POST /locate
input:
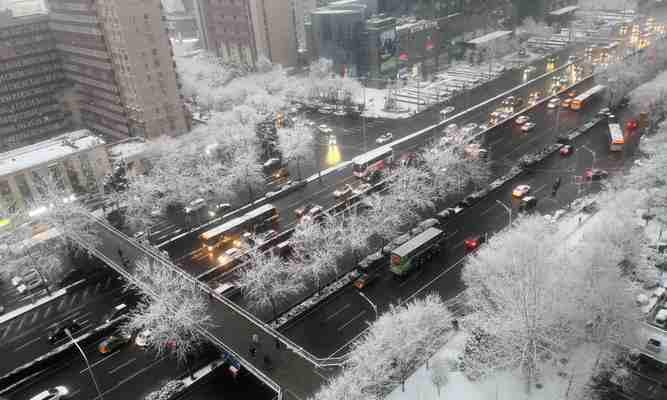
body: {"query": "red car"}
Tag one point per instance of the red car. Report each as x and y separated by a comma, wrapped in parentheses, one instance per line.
(632, 124)
(595, 174)
(472, 243)
(566, 150)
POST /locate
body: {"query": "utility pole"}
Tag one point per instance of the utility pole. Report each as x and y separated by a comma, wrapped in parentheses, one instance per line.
(509, 211)
(85, 359)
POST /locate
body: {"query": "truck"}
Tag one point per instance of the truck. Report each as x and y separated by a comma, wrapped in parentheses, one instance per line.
(415, 251)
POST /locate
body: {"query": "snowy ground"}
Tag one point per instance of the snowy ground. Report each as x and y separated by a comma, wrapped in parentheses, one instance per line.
(505, 386)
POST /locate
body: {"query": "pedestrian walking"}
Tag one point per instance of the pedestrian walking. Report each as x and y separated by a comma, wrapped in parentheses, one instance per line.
(253, 351)
(255, 338)
(278, 344)
(120, 253)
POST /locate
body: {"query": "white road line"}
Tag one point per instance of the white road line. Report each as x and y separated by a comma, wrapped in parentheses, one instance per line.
(125, 364)
(122, 382)
(48, 310)
(32, 321)
(483, 213)
(101, 360)
(26, 344)
(345, 307)
(74, 393)
(346, 344)
(434, 279)
(293, 394)
(340, 328)
(539, 189)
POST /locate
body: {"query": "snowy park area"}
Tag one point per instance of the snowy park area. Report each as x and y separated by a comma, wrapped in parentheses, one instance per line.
(442, 370)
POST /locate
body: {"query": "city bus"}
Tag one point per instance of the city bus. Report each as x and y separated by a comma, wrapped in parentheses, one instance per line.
(580, 101)
(375, 160)
(230, 231)
(616, 139)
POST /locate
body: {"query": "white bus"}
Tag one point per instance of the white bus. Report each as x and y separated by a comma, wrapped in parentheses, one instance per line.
(261, 217)
(580, 101)
(616, 138)
(375, 160)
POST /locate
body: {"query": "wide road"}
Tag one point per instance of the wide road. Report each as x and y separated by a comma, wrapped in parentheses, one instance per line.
(328, 329)
(130, 372)
(25, 337)
(350, 141)
(506, 144)
(188, 251)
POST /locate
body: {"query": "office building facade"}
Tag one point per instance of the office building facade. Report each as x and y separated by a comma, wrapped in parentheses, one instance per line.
(32, 82)
(118, 57)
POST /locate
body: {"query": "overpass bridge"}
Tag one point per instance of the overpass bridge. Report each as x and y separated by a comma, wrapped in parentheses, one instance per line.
(294, 373)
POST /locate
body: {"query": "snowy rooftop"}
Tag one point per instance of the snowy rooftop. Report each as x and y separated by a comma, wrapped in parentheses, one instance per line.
(127, 149)
(489, 37)
(48, 150)
(564, 10)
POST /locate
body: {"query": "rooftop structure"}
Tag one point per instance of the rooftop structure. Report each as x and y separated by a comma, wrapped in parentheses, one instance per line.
(76, 162)
(47, 151)
(564, 11)
(488, 38)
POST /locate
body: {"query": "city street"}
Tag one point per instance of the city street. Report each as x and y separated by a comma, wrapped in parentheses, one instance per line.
(328, 329)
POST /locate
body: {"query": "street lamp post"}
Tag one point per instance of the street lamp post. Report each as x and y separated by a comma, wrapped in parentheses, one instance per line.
(373, 306)
(85, 359)
(508, 209)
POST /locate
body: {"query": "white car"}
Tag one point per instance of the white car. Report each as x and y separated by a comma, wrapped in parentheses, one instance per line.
(521, 191)
(55, 393)
(233, 252)
(522, 119)
(384, 138)
(528, 126)
(142, 338)
(451, 128)
(332, 140)
(225, 287)
(469, 128)
(361, 188)
(324, 128)
(553, 103)
(343, 192)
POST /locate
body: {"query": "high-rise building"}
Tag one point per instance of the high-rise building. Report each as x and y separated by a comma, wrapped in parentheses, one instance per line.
(31, 82)
(241, 31)
(119, 58)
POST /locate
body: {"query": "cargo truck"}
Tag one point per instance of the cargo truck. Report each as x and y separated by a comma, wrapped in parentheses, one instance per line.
(414, 252)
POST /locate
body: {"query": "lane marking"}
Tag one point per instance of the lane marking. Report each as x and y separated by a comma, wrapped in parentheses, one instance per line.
(122, 382)
(434, 279)
(101, 360)
(539, 189)
(26, 344)
(488, 210)
(340, 328)
(125, 364)
(346, 344)
(345, 307)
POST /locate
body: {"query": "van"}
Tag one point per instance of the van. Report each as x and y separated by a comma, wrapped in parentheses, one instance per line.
(195, 205)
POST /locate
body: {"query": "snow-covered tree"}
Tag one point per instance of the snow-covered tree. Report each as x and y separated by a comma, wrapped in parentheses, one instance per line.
(267, 280)
(395, 344)
(452, 171)
(172, 308)
(440, 369)
(517, 285)
(296, 144)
